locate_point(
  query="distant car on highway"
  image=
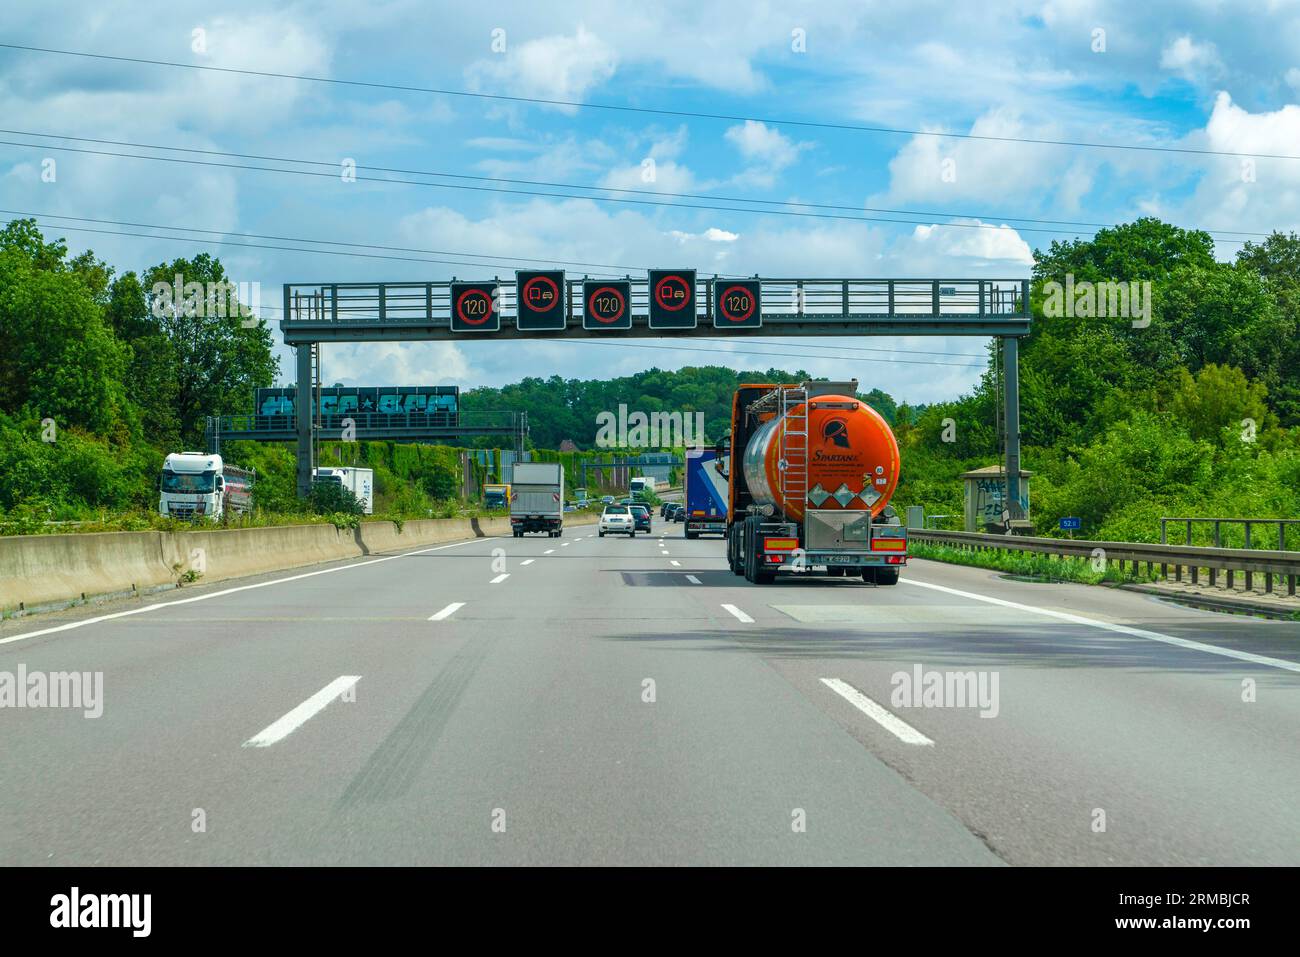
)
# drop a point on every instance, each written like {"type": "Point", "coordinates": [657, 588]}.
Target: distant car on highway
{"type": "Point", "coordinates": [663, 509]}
{"type": "Point", "coordinates": [607, 500]}
{"type": "Point", "coordinates": [641, 514]}
{"type": "Point", "coordinates": [617, 520]}
{"type": "Point", "coordinates": [679, 512]}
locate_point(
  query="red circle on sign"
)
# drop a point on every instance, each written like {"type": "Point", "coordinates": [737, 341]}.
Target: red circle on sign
{"type": "Point", "coordinates": [753, 301]}
{"type": "Point", "coordinates": [622, 304]}
{"type": "Point", "coordinates": [555, 292]}
{"type": "Point", "coordinates": [659, 288]}
{"type": "Point", "coordinates": [481, 319]}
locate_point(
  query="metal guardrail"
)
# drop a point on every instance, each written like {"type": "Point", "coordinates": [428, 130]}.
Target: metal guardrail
{"type": "Point", "coordinates": [1276, 566]}
{"type": "Point", "coordinates": [1218, 524]}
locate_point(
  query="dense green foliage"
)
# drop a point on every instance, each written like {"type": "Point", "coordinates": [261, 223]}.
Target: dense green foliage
{"type": "Point", "coordinates": [560, 409]}
{"type": "Point", "coordinates": [1195, 413]}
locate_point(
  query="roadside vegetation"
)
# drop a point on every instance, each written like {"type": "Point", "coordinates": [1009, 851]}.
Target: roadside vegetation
{"type": "Point", "coordinates": [1197, 413]}
{"type": "Point", "coordinates": [1025, 564]}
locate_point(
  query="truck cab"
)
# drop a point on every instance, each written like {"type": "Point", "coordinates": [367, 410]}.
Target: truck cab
{"type": "Point", "coordinates": [196, 486]}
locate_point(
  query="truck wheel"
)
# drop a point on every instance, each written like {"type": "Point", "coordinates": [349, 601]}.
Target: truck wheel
{"type": "Point", "coordinates": [692, 534]}
{"type": "Point", "coordinates": [602, 534]}
{"type": "Point", "coordinates": [887, 576]}
{"type": "Point", "coordinates": [869, 575]}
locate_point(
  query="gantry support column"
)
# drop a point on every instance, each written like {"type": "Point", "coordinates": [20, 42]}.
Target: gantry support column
{"type": "Point", "coordinates": [302, 409]}
{"type": "Point", "coordinates": [1011, 381]}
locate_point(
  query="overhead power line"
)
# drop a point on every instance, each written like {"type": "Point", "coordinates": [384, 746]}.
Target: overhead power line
{"type": "Point", "coordinates": [334, 165]}
{"type": "Point", "coordinates": [621, 108]}
{"type": "Point", "coordinates": [548, 195]}
{"type": "Point", "coordinates": [266, 307]}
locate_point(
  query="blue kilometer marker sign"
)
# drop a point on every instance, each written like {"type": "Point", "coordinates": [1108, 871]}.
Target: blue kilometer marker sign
{"type": "Point", "coordinates": [1071, 524]}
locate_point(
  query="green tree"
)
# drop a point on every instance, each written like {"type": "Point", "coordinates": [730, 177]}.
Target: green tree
{"type": "Point", "coordinates": [58, 358]}
{"type": "Point", "coordinates": [218, 357]}
{"type": "Point", "coordinates": [1218, 397]}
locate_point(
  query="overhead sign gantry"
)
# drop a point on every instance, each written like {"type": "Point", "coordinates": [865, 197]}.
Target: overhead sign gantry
{"type": "Point", "coordinates": [666, 303]}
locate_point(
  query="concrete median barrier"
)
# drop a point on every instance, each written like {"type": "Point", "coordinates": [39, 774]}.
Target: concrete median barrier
{"type": "Point", "coordinates": [45, 571]}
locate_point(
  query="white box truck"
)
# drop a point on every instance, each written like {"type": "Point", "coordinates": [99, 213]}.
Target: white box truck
{"type": "Point", "coordinates": [198, 486]}
{"type": "Point", "coordinates": [360, 482]}
{"type": "Point", "coordinates": [537, 498]}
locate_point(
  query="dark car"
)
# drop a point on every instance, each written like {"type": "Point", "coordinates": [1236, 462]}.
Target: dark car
{"type": "Point", "coordinates": [679, 513]}
{"type": "Point", "coordinates": [663, 509]}
{"type": "Point", "coordinates": [642, 515]}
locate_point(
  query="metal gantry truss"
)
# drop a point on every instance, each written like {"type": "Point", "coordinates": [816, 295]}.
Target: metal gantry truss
{"type": "Point", "coordinates": [316, 313]}
{"type": "Point", "coordinates": [386, 311]}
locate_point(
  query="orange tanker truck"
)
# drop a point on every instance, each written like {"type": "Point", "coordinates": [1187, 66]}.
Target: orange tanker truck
{"type": "Point", "coordinates": [812, 469]}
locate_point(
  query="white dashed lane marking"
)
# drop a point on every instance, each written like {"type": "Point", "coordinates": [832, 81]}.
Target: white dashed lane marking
{"type": "Point", "coordinates": [295, 719]}
{"type": "Point", "coordinates": [886, 719]}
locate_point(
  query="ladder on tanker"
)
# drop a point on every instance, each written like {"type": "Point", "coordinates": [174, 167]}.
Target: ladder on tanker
{"type": "Point", "coordinates": [794, 446]}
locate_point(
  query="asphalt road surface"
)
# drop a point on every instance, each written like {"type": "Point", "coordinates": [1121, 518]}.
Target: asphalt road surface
{"type": "Point", "coordinates": [613, 701]}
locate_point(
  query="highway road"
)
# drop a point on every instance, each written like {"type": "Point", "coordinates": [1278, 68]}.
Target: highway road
{"type": "Point", "coordinates": [612, 701]}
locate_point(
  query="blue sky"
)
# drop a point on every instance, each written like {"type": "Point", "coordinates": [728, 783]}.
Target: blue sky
{"type": "Point", "coordinates": [1200, 75]}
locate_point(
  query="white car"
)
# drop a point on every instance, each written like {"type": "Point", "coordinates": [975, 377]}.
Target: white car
{"type": "Point", "coordinates": [617, 520]}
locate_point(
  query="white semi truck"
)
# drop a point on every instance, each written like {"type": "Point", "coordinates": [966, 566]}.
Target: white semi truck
{"type": "Point", "coordinates": [360, 482]}
{"type": "Point", "coordinates": [537, 498]}
{"type": "Point", "coordinates": [198, 486]}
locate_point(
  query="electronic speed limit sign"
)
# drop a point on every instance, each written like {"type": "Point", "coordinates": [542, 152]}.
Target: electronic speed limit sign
{"type": "Point", "coordinates": [737, 304]}
{"type": "Point", "coordinates": [606, 305]}
{"type": "Point", "coordinates": [672, 298]}
{"type": "Point", "coordinates": [474, 307]}
{"type": "Point", "coordinates": [540, 300]}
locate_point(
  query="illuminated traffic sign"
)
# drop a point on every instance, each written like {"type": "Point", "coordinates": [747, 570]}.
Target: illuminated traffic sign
{"type": "Point", "coordinates": [672, 298]}
{"type": "Point", "coordinates": [606, 305]}
{"type": "Point", "coordinates": [737, 304]}
{"type": "Point", "coordinates": [474, 307]}
{"type": "Point", "coordinates": [540, 300]}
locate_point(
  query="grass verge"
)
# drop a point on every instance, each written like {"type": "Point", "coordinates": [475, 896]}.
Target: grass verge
{"type": "Point", "coordinates": [1029, 564]}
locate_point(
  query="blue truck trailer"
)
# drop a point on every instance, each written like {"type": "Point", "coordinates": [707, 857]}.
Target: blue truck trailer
{"type": "Point", "coordinates": [705, 497]}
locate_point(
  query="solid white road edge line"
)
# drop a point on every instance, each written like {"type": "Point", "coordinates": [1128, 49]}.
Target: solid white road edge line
{"type": "Point", "coordinates": [738, 613]}
{"type": "Point", "coordinates": [499, 579]}
{"type": "Point", "coordinates": [887, 720]}
{"type": "Point", "coordinates": [448, 611]}
{"type": "Point", "coordinates": [295, 719]}
{"type": "Point", "coordinates": [230, 591]}
{"type": "Point", "coordinates": [1120, 629]}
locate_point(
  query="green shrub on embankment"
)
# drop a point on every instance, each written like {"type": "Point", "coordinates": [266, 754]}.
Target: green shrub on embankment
{"type": "Point", "coordinates": [1025, 564]}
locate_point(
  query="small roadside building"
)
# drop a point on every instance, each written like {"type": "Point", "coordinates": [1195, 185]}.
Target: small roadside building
{"type": "Point", "coordinates": [986, 496]}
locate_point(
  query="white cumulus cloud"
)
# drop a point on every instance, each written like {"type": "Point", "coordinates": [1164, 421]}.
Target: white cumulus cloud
{"type": "Point", "coordinates": [555, 67]}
